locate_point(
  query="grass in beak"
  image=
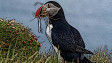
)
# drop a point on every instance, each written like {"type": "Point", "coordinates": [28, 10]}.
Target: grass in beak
{"type": "Point", "coordinates": [42, 15]}
{"type": "Point", "coordinates": [38, 3]}
{"type": "Point", "coordinates": [32, 19]}
{"type": "Point", "coordinates": [39, 25]}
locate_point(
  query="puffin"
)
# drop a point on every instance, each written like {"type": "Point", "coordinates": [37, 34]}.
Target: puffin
{"type": "Point", "coordinates": [65, 39]}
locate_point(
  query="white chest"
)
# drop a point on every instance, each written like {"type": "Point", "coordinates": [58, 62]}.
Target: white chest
{"type": "Point", "coordinates": [48, 30]}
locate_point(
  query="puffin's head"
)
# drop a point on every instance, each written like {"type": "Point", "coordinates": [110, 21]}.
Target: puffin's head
{"type": "Point", "coordinates": [52, 10]}
{"type": "Point", "coordinates": [49, 9]}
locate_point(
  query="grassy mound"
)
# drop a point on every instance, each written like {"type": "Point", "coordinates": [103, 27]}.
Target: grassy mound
{"type": "Point", "coordinates": [16, 42]}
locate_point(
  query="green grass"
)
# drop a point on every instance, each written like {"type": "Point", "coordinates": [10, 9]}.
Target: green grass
{"type": "Point", "coordinates": [19, 45]}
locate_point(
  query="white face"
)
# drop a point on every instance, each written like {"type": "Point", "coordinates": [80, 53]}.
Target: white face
{"type": "Point", "coordinates": [51, 9]}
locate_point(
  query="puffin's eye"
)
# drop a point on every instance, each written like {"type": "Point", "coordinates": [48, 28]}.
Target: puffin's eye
{"type": "Point", "coordinates": [48, 6]}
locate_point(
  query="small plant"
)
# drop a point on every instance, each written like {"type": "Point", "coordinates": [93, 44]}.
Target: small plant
{"type": "Point", "coordinates": [101, 55]}
{"type": "Point", "coordinates": [17, 43]}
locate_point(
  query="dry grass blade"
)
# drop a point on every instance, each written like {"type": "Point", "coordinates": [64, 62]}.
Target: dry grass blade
{"type": "Point", "coordinates": [33, 55]}
{"type": "Point", "coordinates": [38, 3]}
{"type": "Point", "coordinates": [39, 25]}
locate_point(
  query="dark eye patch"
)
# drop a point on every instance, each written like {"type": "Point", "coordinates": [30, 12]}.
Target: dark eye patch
{"type": "Point", "coordinates": [48, 6]}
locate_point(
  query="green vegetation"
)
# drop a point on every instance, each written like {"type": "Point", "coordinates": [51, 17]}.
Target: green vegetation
{"type": "Point", "coordinates": [19, 45]}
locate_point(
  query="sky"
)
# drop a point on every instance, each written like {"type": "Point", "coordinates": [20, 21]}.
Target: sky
{"type": "Point", "coordinates": [93, 18]}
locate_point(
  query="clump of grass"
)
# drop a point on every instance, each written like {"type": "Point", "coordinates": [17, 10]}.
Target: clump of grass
{"type": "Point", "coordinates": [49, 57]}
{"type": "Point", "coordinates": [17, 43]}
{"type": "Point", "coordinates": [101, 55]}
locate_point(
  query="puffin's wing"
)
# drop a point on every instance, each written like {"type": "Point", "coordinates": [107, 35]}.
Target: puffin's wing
{"type": "Point", "coordinates": [64, 41]}
{"type": "Point", "coordinates": [77, 37]}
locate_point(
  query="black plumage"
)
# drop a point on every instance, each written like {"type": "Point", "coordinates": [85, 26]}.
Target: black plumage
{"type": "Point", "coordinates": [66, 38]}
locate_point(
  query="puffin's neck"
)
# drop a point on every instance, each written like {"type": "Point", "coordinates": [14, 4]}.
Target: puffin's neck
{"type": "Point", "coordinates": [58, 23]}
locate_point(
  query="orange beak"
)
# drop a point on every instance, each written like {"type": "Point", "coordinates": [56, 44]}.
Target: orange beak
{"type": "Point", "coordinates": [38, 12]}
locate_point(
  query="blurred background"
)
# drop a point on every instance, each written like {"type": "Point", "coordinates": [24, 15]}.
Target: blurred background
{"type": "Point", "coordinates": [93, 19]}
